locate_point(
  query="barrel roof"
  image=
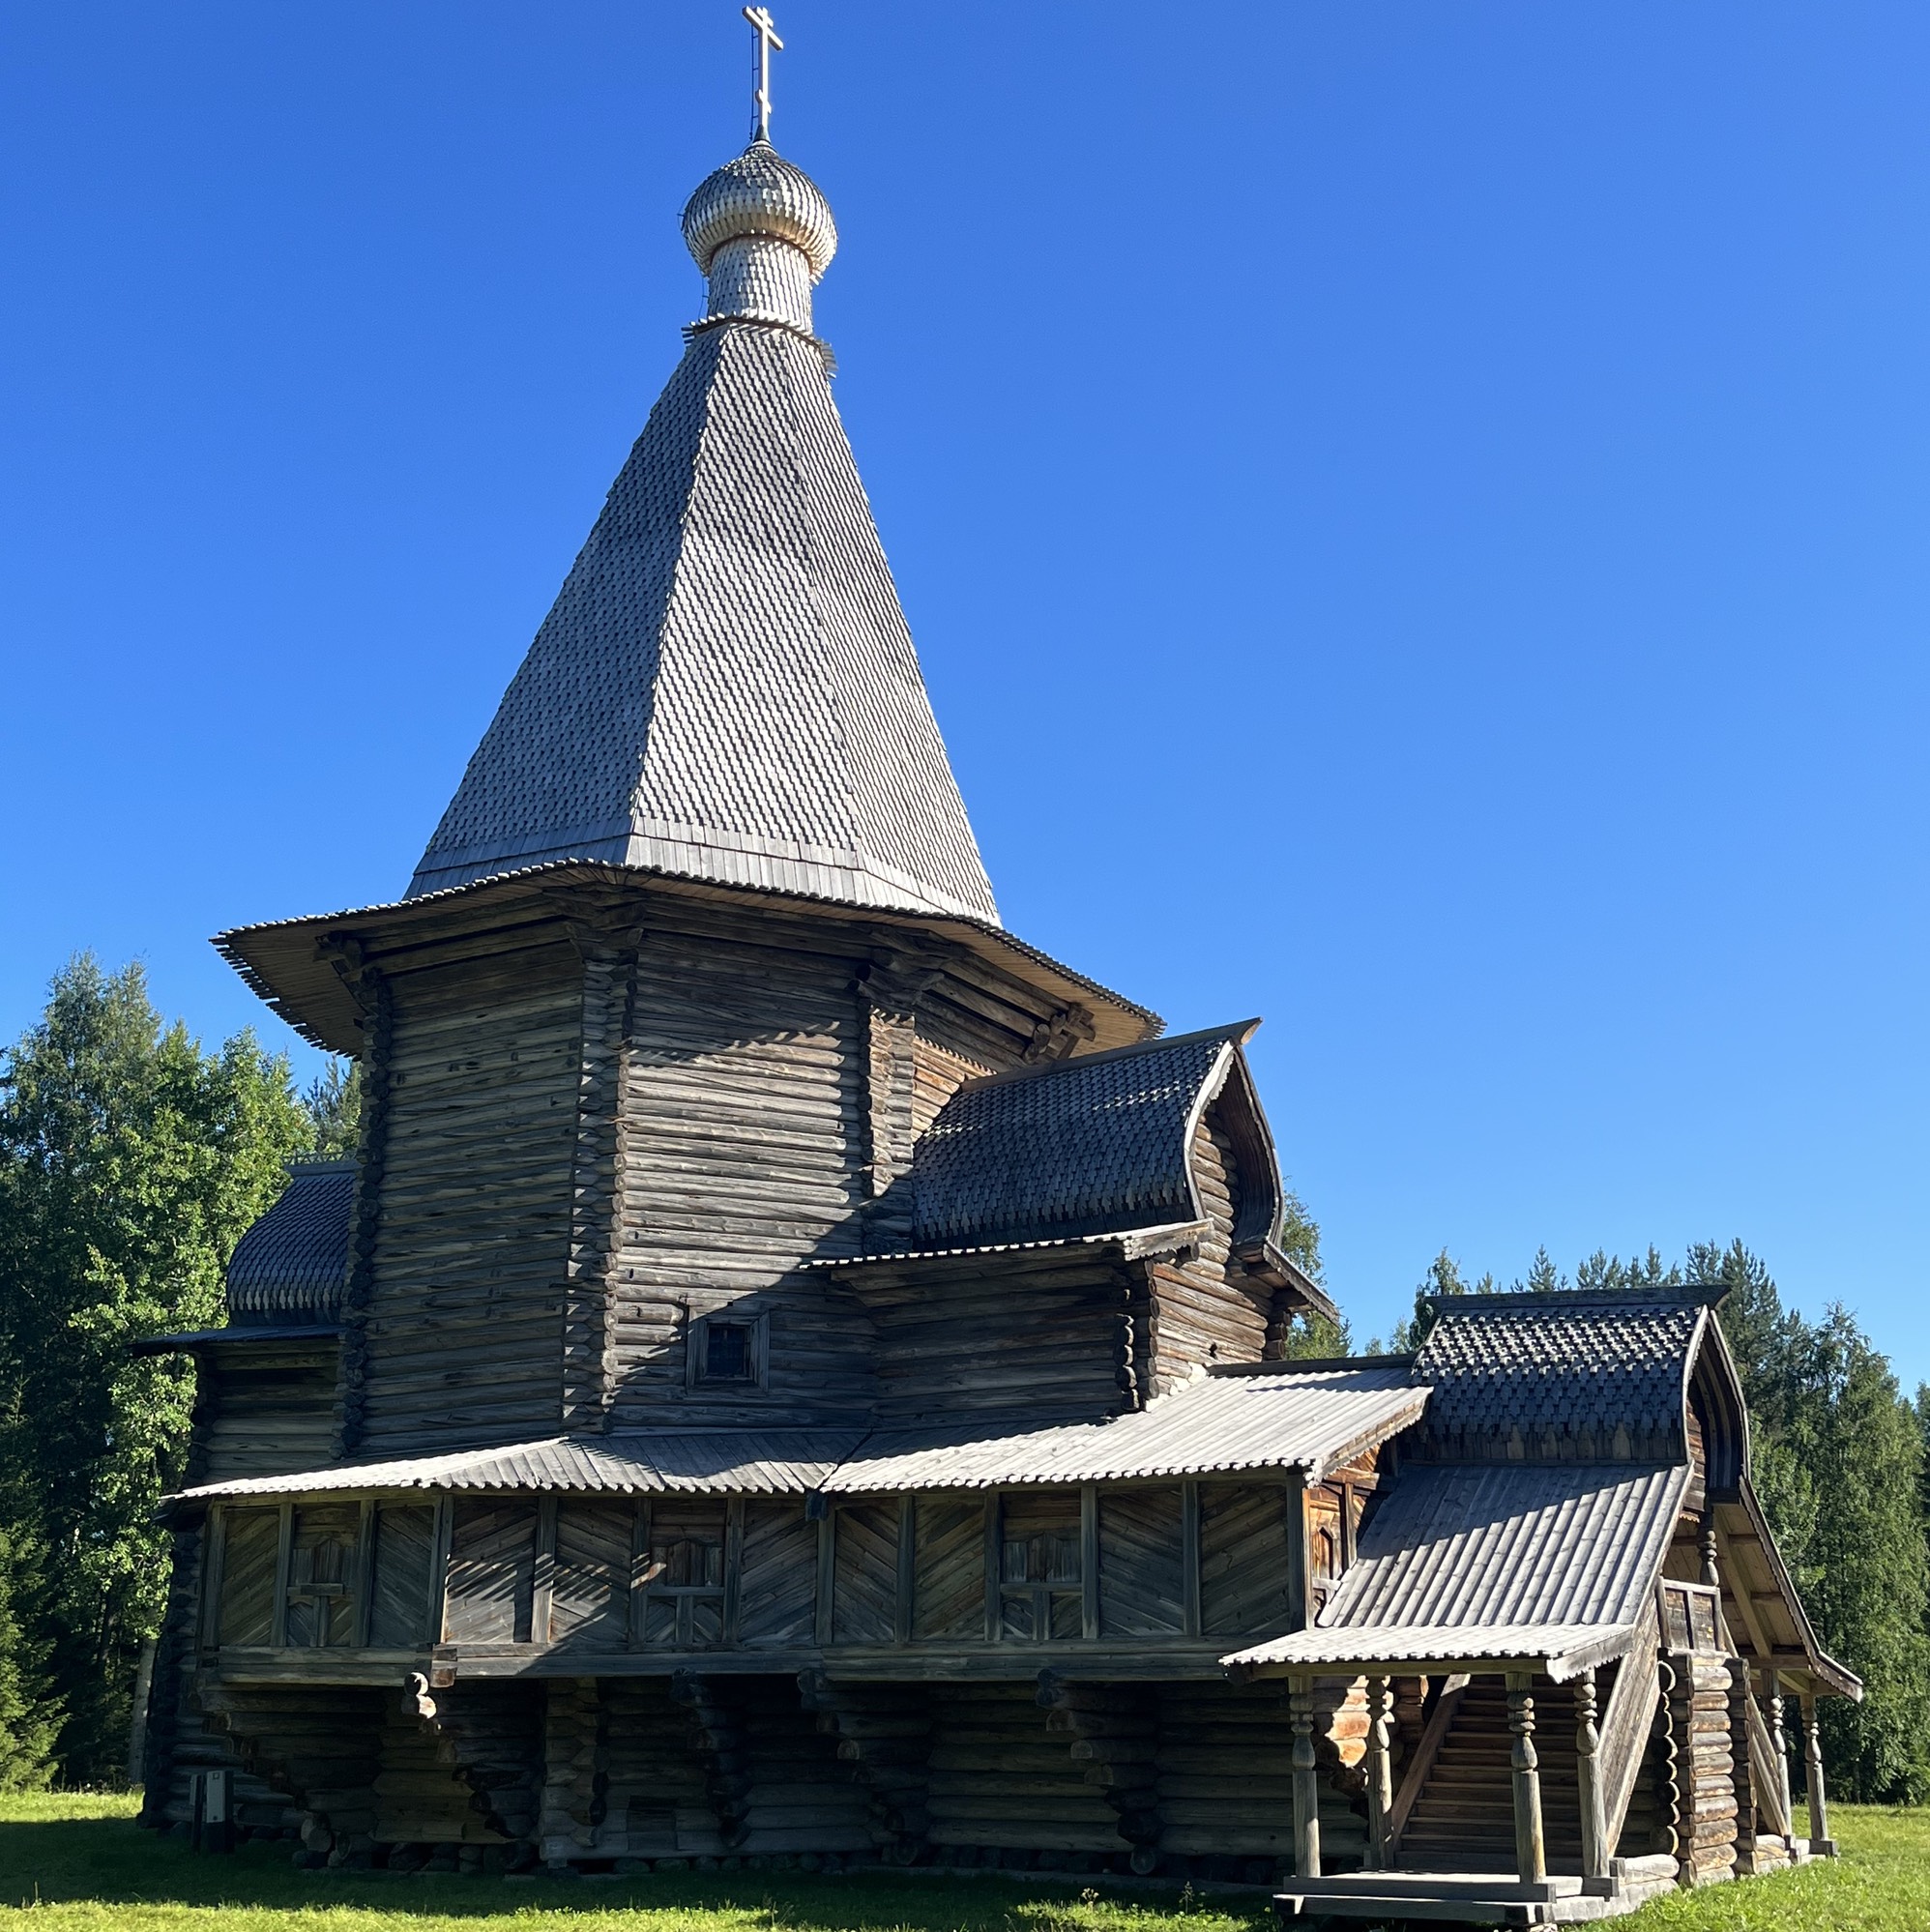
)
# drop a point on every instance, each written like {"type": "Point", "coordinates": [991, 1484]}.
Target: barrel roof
{"type": "Point", "coordinates": [291, 1264]}
{"type": "Point", "coordinates": [1566, 1361]}
{"type": "Point", "coordinates": [1092, 1144]}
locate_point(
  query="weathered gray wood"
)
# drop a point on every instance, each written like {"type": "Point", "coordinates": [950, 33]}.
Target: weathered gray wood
{"type": "Point", "coordinates": [1587, 1775]}
{"type": "Point", "coordinates": [284, 1543]}
{"type": "Point", "coordinates": [1415, 1774]}
{"type": "Point", "coordinates": [1531, 1850]}
{"type": "Point", "coordinates": [1189, 1559]}
{"type": "Point", "coordinates": [1089, 1561]}
{"type": "Point", "coordinates": [1244, 1559]}
{"type": "Point", "coordinates": [1306, 1789]}
{"type": "Point", "coordinates": [1379, 1767]}
{"type": "Point", "coordinates": [1820, 1841]}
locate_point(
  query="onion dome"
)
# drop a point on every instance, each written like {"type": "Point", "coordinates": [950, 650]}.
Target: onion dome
{"type": "Point", "coordinates": [760, 195]}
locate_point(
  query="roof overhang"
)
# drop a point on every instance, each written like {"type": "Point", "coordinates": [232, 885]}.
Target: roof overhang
{"type": "Point", "coordinates": [1555, 1651]}
{"type": "Point", "coordinates": [1128, 1243]}
{"type": "Point", "coordinates": [195, 1340]}
{"type": "Point", "coordinates": [282, 959]}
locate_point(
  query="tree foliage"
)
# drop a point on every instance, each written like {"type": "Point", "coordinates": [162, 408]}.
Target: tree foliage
{"type": "Point", "coordinates": [332, 1103]}
{"type": "Point", "coordinates": [29, 1705]}
{"type": "Point", "coordinates": [130, 1162]}
{"type": "Point", "coordinates": [1309, 1337]}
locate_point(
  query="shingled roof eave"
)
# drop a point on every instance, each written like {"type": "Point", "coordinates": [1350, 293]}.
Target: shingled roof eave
{"type": "Point", "coordinates": [277, 957]}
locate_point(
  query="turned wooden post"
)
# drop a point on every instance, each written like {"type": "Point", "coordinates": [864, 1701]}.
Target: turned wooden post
{"type": "Point", "coordinates": [1779, 1744]}
{"type": "Point", "coordinates": [1531, 1853]}
{"type": "Point", "coordinates": [1587, 1777]}
{"type": "Point", "coordinates": [1711, 1574]}
{"type": "Point", "coordinates": [1380, 1769]}
{"type": "Point", "coordinates": [1307, 1792]}
{"type": "Point", "coordinates": [1818, 1804]}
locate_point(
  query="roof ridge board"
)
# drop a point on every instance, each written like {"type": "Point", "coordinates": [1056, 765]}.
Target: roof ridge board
{"type": "Point", "coordinates": [1686, 1295]}
{"type": "Point", "coordinates": [1309, 1365]}
{"type": "Point", "coordinates": [1237, 1034]}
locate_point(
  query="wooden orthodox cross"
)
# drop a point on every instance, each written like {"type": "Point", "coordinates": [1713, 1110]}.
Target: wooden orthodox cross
{"type": "Point", "coordinates": [765, 30]}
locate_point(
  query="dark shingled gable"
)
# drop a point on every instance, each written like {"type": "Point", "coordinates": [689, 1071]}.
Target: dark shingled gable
{"type": "Point", "coordinates": [1093, 1145]}
{"type": "Point", "coordinates": [1566, 1362]}
{"type": "Point", "coordinates": [289, 1264]}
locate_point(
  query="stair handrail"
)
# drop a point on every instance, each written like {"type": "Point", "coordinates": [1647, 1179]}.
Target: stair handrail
{"type": "Point", "coordinates": [1768, 1769]}
{"type": "Point", "coordinates": [1413, 1774]}
{"type": "Point", "coordinates": [1626, 1724]}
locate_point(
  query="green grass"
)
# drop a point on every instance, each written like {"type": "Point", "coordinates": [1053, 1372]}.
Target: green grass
{"type": "Point", "coordinates": [1881, 1883]}
{"type": "Point", "coordinates": [75, 1862]}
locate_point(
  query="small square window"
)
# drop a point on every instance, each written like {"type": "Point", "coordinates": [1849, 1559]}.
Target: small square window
{"type": "Point", "coordinates": [727, 1352]}
{"type": "Point", "coordinates": [727, 1348]}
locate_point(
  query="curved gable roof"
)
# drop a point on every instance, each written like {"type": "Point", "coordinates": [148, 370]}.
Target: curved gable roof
{"type": "Point", "coordinates": [1092, 1144]}
{"type": "Point", "coordinates": [1557, 1369]}
{"type": "Point", "coordinates": [290, 1265]}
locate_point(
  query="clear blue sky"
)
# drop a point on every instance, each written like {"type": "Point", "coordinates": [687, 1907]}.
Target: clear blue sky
{"type": "Point", "coordinates": [1415, 517]}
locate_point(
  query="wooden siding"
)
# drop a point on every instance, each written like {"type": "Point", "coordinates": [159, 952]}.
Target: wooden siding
{"type": "Point", "coordinates": [492, 1573]}
{"type": "Point", "coordinates": [777, 1592]}
{"type": "Point", "coordinates": [949, 1573]}
{"type": "Point", "coordinates": [866, 1585]}
{"type": "Point", "coordinates": [398, 1612]}
{"type": "Point", "coordinates": [589, 1581]}
{"type": "Point", "coordinates": [1244, 1560]}
{"type": "Point", "coordinates": [1142, 1572]}
{"type": "Point", "coordinates": [743, 1144]}
{"type": "Point", "coordinates": [250, 1553]}
{"type": "Point", "coordinates": [683, 1603]}
{"type": "Point", "coordinates": [462, 1339]}
{"type": "Point", "coordinates": [322, 1579]}
{"type": "Point", "coordinates": [1040, 1572]}
{"type": "Point", "coordinates": [1045, 1333]}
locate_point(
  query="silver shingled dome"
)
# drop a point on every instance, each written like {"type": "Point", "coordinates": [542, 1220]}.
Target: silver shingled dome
{"type": "Point", "coordinates": [760, 193]}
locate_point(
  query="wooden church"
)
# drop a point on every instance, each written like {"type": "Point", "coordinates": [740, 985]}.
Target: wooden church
{"type": "Point", "coordinates": [793, 1374]}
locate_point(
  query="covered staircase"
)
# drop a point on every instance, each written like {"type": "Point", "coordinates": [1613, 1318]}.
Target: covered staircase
{"type": "Point", "coordinates": [1463, 1819]}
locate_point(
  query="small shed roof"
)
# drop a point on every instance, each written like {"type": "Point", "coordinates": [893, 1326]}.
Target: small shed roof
{"type": "Point", "coordinates": [1283, 1421]}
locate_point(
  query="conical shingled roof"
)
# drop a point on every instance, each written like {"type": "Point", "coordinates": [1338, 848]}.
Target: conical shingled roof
{"type": "Point", "coordinates": [726, 686]}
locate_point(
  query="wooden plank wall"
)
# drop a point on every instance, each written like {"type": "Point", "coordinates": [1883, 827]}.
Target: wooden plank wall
{"type": "Point", "coordinates": [601, 1574]}
{"type": "Point", "coordinates": [743, 1146]}
{"type": "Point", "coordinates": [999, 1776]}
{"type": "Point", "coordinates": [462, 1339]}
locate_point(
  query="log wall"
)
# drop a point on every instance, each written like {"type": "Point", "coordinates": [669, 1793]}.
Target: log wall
{"type": "Point", "coordinates": [744, 1144]}
{"type": "Point", "coordinates": [1207, 1308]}
{"type": "Point", "coordinates": [1047, 1333]}
{"type": "Point", "coordinates": [263, 1409]}
{"type": "Point", "coordinates": [462, 1339]}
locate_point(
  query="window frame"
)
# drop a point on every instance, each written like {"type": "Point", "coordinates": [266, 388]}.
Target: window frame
{"type": "Point", "coordinates": [697, 1349]}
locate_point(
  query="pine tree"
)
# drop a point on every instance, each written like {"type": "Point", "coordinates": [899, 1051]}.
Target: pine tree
{"type": "Point", "coordinates": [332, 1103]}
{"type": "Point", "coordinates": [29, 1710]}
{"type": "Point", "coordinates": [130, 1162]}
